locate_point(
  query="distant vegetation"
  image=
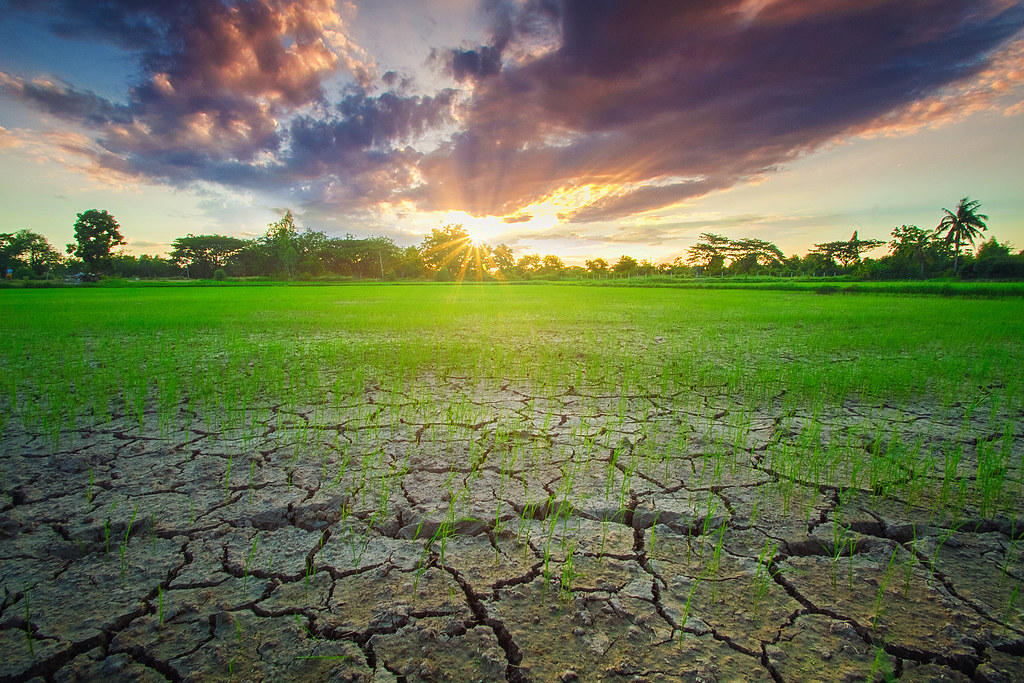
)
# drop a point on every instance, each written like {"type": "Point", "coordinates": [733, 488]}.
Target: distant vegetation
{"type": "Point", "coordinates": [449, 253]}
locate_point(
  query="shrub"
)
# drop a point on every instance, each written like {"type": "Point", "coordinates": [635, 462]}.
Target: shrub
{"type": "Point", "coordinates": [220, 275]}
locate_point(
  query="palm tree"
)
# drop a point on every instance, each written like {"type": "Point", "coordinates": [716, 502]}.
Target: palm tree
{"type": "Point", "coordinates": [964, 225]}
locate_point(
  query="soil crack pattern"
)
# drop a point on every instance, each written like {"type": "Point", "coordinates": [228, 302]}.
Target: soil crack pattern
{"type": "Point", "coordinates": [468, 528]}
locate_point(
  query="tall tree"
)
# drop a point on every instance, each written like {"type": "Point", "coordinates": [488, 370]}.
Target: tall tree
{"type": "Point", "coordinates": [551, 265]}
{"type": "Point", "coordinates": [709, 252]}
{"type": "Point", "coordinates": [848, 252]}
{"type": "Point", "coordinates": [503, 259]}
{"type": "Point", "coordinates": [281, 239]}
{"type": "Point", "coordinates": [27, 249]}
{"type": "Point", "coordinates": [204, 254]}
{"type": "Point", "coordinates": [910, 243]}
{"type": "Point", "coordinates": [96, 233]}
{"type": "Point", "coordinates": [528, 263]}
{"type": "Point", "coordinates": [963, 225]}
{"type": "Point", "coordinates": [748, 252]}
{"type": "Point", "coordinates": [448, 246]}
{"type": "Point", "coordinates": [598, 266]}
{"type": "Point", "coordinates": [625, 264]}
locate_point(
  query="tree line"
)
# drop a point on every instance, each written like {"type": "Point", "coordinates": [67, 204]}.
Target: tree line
{"type": "Point", "coordinates": [449, 253]}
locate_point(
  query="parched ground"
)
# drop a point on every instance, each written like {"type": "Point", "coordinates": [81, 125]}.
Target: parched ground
{"type": "Point", "coordinates": [455, 531]}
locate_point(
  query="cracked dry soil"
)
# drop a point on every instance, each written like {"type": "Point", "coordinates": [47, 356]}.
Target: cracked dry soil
{"type": "Point", "coordinates": [490, 534]}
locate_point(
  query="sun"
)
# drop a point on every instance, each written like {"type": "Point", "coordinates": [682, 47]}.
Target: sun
{"type": "Point", "coordinates": [480, 229]}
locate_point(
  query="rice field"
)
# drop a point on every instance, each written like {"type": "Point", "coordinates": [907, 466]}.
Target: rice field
{"type": "Point", "coordinates": [521, 483]}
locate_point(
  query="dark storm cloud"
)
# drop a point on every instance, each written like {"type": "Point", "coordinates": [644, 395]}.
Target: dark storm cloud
{"type": "Point", "coordinates": [365, 132]}
{"type": "Point", "coordinates": [508, 21]}
{"type": "Point", "coordinates": [216, 78]}
{"type": "Point", "coordinates": [477, 63]}
{"type": "Point", "coordinates": [720, 90]}
{"type": "Point", "coordinates": [658, 100]}
{"type": "Point", "coordinates": [65, 101]}
{"type": "Point", "coordinates": [641, 199]}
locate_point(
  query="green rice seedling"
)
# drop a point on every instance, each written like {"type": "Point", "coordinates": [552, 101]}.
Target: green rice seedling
{"type": "Point", "coordinates": [686, 608]}
{"type": "Point", "coordinates": [160, 605]}
{"type": "Point", "coordinates": [654, 525]}
{"type": "Point", "coordinates": [227, 478]}
{"type": "Point", "coordinates": [882, 665]}
{"type": "Point", "coordinates": [88, 488]}
{"type": "Point", "coordinates": [1010, 602]}
{"type": "Point", "coordinates": [568, 570]}
{"type": "Point", "coordinates": [712, 507]}
{"type": "Point", "coordinates": [124, 545]}
{"type": "Point", "coordinates": [840, 535]}
{"type": "Point", "coordinates": [880, 596]}
{"type": "Point", "coordinates": [943, 537]}
{"type": "Point", "coordinates": [310, 571]}
{"type": "Point", "coordinates": [763, 576]}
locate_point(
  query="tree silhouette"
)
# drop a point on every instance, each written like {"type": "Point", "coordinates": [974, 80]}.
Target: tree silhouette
{"type": "Point", "coordinates": [709, 252]}
{"type": "Point", "coordinates": [914, 244]}
{"type": "Point", "coordinates": [963, 225]}
{"type": "Point", "coordinates": [96, 233]}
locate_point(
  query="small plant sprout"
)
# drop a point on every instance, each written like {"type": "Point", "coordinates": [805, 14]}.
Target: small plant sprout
{"type": "Point", "coordinates": [1010, 602]}
{"type": "Point", "coordinates": [686, 608]}
{"type": "Point", "coordinates": [880, 595]}
{"type": "Point", "coordinates": [305, 629]}
{"type": "Point", "coordinates": [764, 575]}
{"type": "Point", "coordinates": [840, 541]}
{"type": "Point", "coordinates": [106, 529]}
{"type": "Point", "coordinates": [882, 665]}
{"type": "Point", "coordinates": [88, 488]}
{"type": "Point", "coordinates": [227, 478]}
{"type": "Point", "coordinates": [124, 545]}
{"type": "Point", "coordinates": [568, 570]}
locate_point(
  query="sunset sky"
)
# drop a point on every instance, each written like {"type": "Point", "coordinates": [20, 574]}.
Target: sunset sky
{"type": "Point", "coordinates": [575, 127]}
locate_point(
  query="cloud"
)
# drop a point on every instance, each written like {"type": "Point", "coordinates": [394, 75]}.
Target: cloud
{"type": "Point", "coordinates": [216, 80]}
{"type": "Point", "coordinates": [637, 94]}
{"type": "Point", "coordinates": [649, 103]}
{"type": "Point", "coordinates": [998, 86]}
{"type": "Point", "coordinates": [65, 101]}
{"type": "Point", "coordinates": [8, 140]}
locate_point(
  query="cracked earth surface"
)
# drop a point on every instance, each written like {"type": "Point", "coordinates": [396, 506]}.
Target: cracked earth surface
{"type": "Point", "coordinates": [483, 532]}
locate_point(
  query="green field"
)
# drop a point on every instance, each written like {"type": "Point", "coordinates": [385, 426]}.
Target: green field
{"type": "Point", "coordinates": [533, 481]}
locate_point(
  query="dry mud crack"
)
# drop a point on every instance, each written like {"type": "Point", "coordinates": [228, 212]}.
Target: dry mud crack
{"type": "Point", "coordinates": [491, 534]}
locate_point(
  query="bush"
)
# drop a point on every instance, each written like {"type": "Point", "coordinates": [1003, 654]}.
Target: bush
{"type": "Point", "coordinates": [443, 275]}
{"type": "Point", "coordinates": [220, 275]}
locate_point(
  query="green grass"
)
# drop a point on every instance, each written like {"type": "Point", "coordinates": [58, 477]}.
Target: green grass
{"type": "Point", "coordinates": [751, 342]}
{"type": "Point", "coordinates": [75, 357]}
